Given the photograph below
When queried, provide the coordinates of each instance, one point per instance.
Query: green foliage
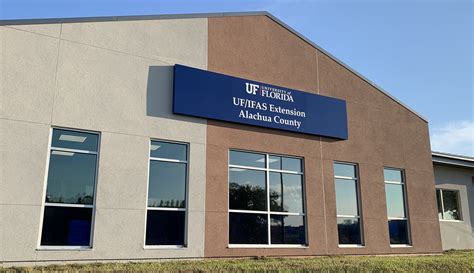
(450, 261)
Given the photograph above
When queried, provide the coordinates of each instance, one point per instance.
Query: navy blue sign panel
(205, 94)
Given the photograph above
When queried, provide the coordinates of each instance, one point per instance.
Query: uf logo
(251, 88)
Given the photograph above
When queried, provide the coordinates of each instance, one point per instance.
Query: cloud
(455, 137)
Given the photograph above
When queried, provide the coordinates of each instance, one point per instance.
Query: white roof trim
(453, 160)
(453, 156)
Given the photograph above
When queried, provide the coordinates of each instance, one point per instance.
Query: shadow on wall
(268, 131)
(159, 95)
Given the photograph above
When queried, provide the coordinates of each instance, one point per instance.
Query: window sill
(401, 246)
(266, 246)
(164, 247)
(351, 246)
(64, 248)
(452, 221)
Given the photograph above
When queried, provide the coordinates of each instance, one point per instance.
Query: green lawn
(451, 261)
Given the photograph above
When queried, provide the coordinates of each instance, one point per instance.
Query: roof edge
(453, 156)
(206, 15)
(453, 160)
(129, 18)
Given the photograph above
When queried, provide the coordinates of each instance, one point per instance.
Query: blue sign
(205, 94)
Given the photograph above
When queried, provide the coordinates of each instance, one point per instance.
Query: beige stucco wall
(382, 133)
(457, 234)
(110, 77)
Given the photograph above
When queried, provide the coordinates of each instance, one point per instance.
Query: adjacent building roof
(202, 15)
(453, 160)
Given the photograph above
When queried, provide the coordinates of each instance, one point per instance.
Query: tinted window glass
(450, 202)
(392, 175)
(64, 226)
(286, 192)
(291, 164)
(247, 189)
(276, 189)
(440, 206)
(395, 203)
(274, 162)
(287, 229)
(165, 227)
(346, 197)
(247, 228)
(168, 150)
(292, 193)
(71, 178)
(247, 159)
(349, 231)
(344, 170)
(74, 140)
(167, 185)
(398, 230)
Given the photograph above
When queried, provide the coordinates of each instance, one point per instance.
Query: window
(347, 204)
(448, 204)
(396, 207)
(166, 209)
(70, 189)
(266, 204)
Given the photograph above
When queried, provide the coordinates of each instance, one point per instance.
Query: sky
(420, 51)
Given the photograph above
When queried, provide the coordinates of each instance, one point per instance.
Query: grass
(450, 261)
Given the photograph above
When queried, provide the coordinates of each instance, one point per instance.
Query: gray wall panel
(457, 234)
(110, 77)
(28, 75)
(23, 162)
(180, 41)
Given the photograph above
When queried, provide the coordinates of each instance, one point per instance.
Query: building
(454, 177)
(205, 135)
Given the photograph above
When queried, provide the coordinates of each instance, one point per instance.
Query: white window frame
(268, 212)
(186, 188)
(359, 207)
(44, 204)
(458, 201)
(405, 206)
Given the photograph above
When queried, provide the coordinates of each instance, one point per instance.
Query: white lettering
(288, 122)
(251, 88)
(257, 116)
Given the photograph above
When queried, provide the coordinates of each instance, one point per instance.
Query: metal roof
(452, 159)
(202, 15)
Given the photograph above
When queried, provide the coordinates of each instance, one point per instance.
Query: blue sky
(421, 51)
